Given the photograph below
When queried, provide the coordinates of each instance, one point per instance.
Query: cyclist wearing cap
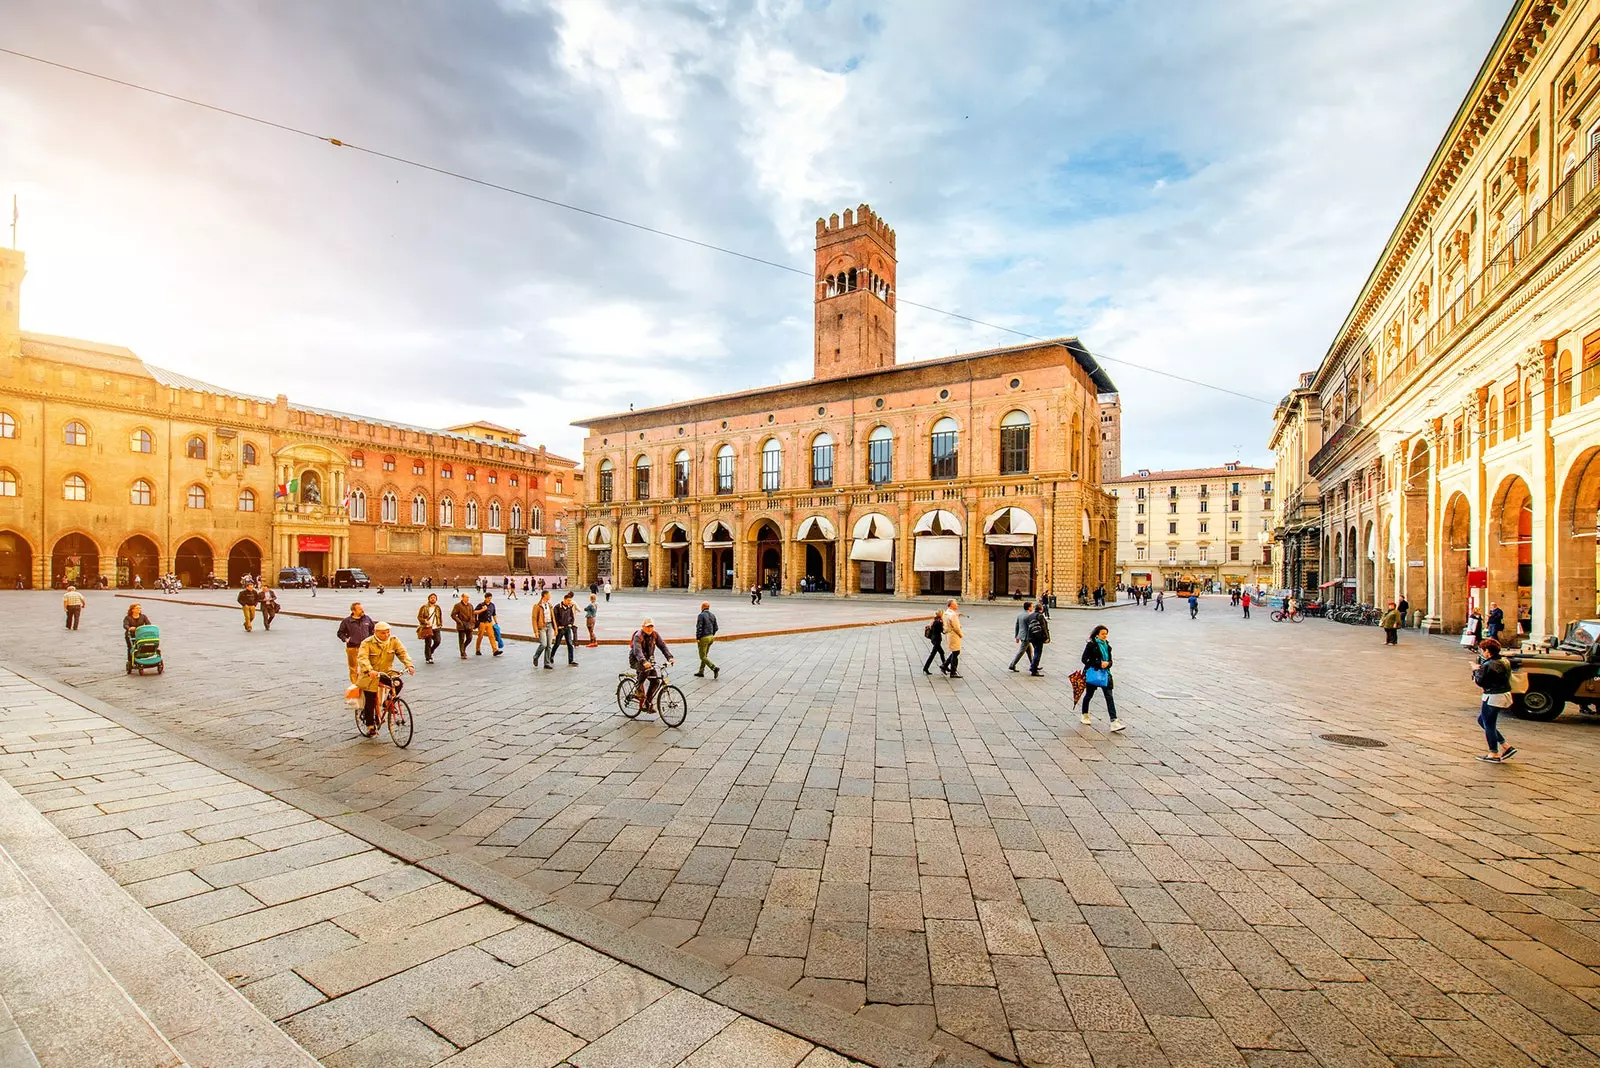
(373, 661)
(642, 658)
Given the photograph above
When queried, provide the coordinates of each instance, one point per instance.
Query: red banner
(315, 543)
(1477, 578)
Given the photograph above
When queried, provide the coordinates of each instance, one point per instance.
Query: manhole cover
(1356, 741)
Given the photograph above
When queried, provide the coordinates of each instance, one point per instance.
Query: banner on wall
(494, 545)
(314, 543)
(458, 544)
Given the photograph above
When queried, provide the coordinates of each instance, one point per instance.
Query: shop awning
(636, 535)
(873, 525)
(637, 552)
(599, 538)
(717, 536)
(1011, 521)
(934, 552)
(817, 528)
(880, 550)
(1330, 582)
(674, 537)
(947, 522)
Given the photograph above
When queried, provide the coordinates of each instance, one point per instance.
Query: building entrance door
(317, 564)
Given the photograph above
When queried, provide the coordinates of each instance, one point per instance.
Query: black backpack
(1034, 628)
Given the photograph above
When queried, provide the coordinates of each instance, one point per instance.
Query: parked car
(1542, 683)
(295, 578)
(350, 577)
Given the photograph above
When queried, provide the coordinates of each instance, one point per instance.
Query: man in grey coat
(1019, 628)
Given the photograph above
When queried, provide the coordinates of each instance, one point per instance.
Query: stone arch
(138, 557)
(1367, 564)
(1509, 549)
(75, 560)
(1578, 542)
(16, 561)
(1415, 563)
(243, 559)
(1455, 557)
(194, 561)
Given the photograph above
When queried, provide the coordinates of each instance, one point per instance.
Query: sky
(1196, 186)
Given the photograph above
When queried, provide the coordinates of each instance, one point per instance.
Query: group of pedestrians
(255, 597)
(1142, 596)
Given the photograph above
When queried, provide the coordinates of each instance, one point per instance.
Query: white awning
(880, 550)
(817, 528)
(947, 520)
(636, 535)
(637, 552)
(674, 537)
(1017, 519)
(1008, 539)
(599, 538)
(717, 536)
(873, 525)
(936, 553)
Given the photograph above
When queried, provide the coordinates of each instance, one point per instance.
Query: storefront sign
(1477, 578)
(314, 543)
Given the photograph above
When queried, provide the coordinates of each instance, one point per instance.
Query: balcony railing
(1573, 199)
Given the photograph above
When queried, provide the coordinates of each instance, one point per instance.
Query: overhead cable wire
(590, 212)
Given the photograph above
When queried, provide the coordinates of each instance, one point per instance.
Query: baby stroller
(146, 650)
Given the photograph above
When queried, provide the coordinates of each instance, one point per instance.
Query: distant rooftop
(1144, 475)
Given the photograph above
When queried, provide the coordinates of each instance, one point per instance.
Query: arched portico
(1509, 550)
(1455, 557)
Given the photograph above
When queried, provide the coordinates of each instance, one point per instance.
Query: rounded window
(878, 403)
(1016, 383)
(141, 440)
(197, 496)
(881, 433)
(195, 448)
(8, 425)
(8, 483)
(946, 425)
(944, 394)
(75, 488)
(140, 492)
(247, 500)
(822, 440)
(1015, 417)
(75, 433)
(248, 454)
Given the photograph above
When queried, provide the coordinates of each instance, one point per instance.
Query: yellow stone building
(972, 476)
(112, 467)
(1197, 527)
(1460, 399)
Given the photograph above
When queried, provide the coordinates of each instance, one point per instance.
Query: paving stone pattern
(363, 959)
(963, 860)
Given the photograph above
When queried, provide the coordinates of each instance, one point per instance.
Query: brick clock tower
(12, 268)
(855, 294)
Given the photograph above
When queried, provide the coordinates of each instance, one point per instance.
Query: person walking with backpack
(705, 633)
(1038, 632)
(1019, 631)
(1097, 674)
(952, 627)
(565, 615)
(1493, 677)
(934, 632)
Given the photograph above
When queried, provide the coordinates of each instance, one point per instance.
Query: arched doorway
(675, 540)
(1335, 580)
(820, 538)
(936, 552)
(243, 559)
(1009, 536)
(718, 542)
(636, 547)
(1414, 562)
(1578, 543)
(1455, 557)
(872, 551)
(768, 555)
(16, 561)
(138, 563)
(193, 562)
(1508, 553)
(598, 542)
(1368, 565)
(75, 561)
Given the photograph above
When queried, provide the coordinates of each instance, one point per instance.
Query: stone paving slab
(1216, 873)
(361, 958)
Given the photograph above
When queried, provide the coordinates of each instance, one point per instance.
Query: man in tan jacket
(952, 633)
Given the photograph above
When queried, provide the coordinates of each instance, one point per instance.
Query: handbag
(425, 631)
(1097, 676)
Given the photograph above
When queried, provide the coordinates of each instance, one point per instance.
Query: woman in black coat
(1097, 657)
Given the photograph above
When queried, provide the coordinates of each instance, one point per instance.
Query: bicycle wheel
(361, 728)
(1296, 617)
(400, 722)
(627, 698)
(672, 706)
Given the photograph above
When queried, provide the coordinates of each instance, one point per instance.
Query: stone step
(65, 1008)
(90, 977)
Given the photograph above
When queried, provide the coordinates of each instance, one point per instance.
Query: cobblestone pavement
(963, 859)
(361, 958)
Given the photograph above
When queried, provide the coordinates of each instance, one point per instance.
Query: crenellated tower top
(855, 293)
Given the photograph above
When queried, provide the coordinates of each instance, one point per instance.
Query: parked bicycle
(393, 710)
(661, 697)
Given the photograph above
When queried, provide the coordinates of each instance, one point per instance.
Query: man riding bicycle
(373, 661)
(642, 658)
